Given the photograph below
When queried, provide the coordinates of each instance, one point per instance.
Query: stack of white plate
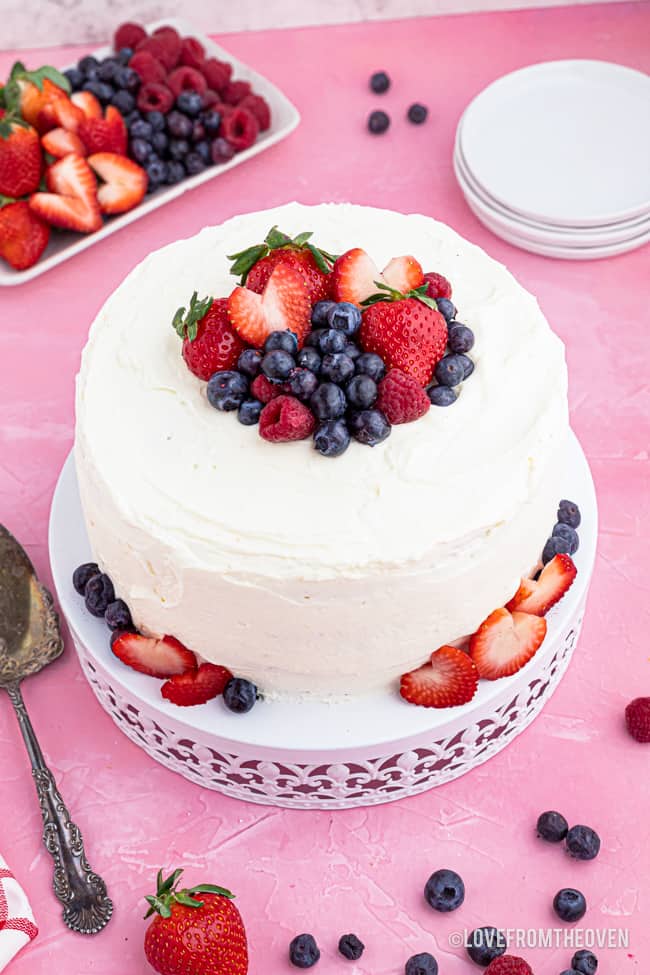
(555, 158)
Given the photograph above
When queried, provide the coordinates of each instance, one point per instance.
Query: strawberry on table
(155, 656)
(255, 264)
(283, 305)
(23, 234)
(196, 930)
(107, 134)
(196, 686)
(505, 641)
(124, 182)
(538, 595)
(449, 679)
(355, 276)
(210, 343)
(72, 202)
(21, 157)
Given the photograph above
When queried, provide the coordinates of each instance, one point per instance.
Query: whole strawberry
(210, 344)
(255, 264)
(21, 157)
(197, 930)
(23, 234)
(406, 330)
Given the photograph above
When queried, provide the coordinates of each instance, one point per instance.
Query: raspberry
(192, 53)
(258, 107)
(235, 91)
(240, 128)
(186, 79)
(285, 419)
(162, 50)
(437, 285)
(171, 39)
(508, 965)
(401, 398)
(211, 99)
(154, 97)
(637, 718)
(264, 390)
(216, 73)
(149, 69)
(128, 35)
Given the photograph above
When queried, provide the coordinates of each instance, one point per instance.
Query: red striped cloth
(17, 927)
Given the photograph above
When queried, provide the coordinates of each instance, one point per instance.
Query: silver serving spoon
(30, 639)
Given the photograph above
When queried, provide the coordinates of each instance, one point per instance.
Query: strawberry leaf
(186, 321)
(183, 898)
(275, 239)
(319, 258)
(211, 889)
(19, 71)
(302, 239)
(245, 260)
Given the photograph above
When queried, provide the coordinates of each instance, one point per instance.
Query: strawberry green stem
(167, 894)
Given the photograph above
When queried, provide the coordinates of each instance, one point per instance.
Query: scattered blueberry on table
(378, 122)
(444, 891)
(552, 826)
(303, 951)
(569, 904)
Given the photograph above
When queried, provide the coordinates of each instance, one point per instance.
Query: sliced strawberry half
(60, 142)
(106, 134)
(72, 204)
(196, 686)
(125, 183)
(354, 277)
(450, 679)
(283, 305)
(505, 641)
(157, 657)
(403, 274)
(88, 103)
(538, 595)
(72, 176)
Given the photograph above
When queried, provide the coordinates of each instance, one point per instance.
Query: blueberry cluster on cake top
(312, 344)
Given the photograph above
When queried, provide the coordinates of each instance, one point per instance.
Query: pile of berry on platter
(311, 344)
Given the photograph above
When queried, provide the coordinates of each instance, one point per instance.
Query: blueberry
(312, 339)
(446, 308)
(302, 383)
(460, 338)
(156, 172)
(351, 947)
(303, 951)
(370, 364)
(118, 616)
(239, 695)
(124, 55)
(379, 82)
(569, 513)
(369, 427)
(124, 102)
(378, 122)
(178, 149)
(99, 593)
(175, 172)
(189, 102)
(309, 358)
(552, 826)
(140, 150)
(179, 125)
(194, 163)
(569, 904)
(141, 130)
(227, 390)
(203, 149)
(422, 964)
(156, 120)
(485, 944)
(361, 392)
(106, 70)
(328, 402)
(211, 121)
(277, 365)
(82, 574)
(99, 89)
(198, 132)
(569, 971)
(569, 535)
(320, 312)
(352, 350)
(249, 362)
(132, 118)
(127, 79)
(444, 890)
(332, 438)
(583, 843)
(417, 113)
(331, 340)
(75, 77)
(249, 412)
(442, 395)
(88, 62)
(337, 367)
(468, 365)
(555, 545)
(345, 317)
(584, 962)
(221, 150)
(286, 341)
(450, 371)
(160, 142)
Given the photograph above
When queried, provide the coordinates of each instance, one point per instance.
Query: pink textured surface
(361, 870)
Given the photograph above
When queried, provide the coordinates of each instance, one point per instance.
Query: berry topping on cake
(98, 594)
(239, 695)
(406, 331)
(449, 679)
(444, 891)
(537, 596)
(72, 204)
(196, 686)
(210, 343)
(637, 719)
(284, 419)
(403, 274)
(437, 285)
(283, 304)
(509, 965)
(355, 276)
(369, 427)
(123, 185)
(157, 657)
(227, 390)
(401, 398)
(505, 641)
(255, 265)
(23, 234)
(264, 390)
(332, 438)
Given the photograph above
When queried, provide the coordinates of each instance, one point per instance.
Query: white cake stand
(310, 755)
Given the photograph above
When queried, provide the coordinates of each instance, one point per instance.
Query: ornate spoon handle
(86, 906)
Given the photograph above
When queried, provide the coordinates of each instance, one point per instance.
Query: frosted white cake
(305, 574)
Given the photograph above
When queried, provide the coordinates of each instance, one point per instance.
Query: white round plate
(564, 142)
(310, 754)
(545, 234)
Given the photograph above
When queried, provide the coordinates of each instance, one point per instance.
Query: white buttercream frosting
(306, 574)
